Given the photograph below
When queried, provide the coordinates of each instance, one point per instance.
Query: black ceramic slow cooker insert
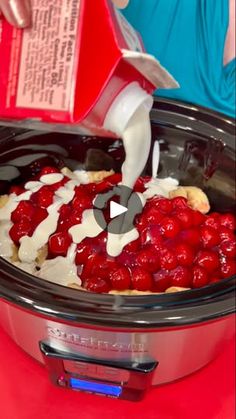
(119, 346)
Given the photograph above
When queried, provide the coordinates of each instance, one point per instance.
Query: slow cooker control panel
(124, 380)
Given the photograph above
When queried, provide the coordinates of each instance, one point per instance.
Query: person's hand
(18, 12)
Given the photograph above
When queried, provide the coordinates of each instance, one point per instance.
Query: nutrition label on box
(48, 56)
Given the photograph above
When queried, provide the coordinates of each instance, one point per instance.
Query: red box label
(47, 56)
(71, 65)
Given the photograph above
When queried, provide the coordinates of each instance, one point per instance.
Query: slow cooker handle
(124, 380)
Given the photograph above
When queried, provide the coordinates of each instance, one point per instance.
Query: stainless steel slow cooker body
(133, 342)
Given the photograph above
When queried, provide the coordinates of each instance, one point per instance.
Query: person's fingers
(17, 12)
(121, 3)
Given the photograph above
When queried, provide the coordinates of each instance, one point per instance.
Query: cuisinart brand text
(95, 343)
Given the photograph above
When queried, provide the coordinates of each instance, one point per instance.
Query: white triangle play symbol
(116, 209)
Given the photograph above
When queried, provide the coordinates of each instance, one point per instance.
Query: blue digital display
(107, 389)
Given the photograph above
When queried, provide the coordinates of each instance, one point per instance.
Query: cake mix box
(71, 64)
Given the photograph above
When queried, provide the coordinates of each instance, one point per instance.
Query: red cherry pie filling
(178, 248)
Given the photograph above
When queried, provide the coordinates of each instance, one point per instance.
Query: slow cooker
(119, 346)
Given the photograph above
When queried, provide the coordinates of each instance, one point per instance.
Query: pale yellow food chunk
(15, 257)
(76, 287)
(42, 255)
(196, 198)
(67, 172)
(180, 191)
(95, 177)
(176, 289)
(115, 292)
(3, 200)
(132, 292)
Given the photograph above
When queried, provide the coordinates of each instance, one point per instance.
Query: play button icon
(116, 209)
(117, 217)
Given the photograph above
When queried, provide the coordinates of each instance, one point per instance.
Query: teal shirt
(188, 38)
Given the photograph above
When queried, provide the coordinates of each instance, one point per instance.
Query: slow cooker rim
(207, 114)
(188, 307)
